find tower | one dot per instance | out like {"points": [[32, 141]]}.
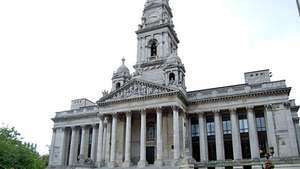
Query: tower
{"points": [[157, 59]]}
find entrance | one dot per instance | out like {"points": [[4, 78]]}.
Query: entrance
{"points": [[150, 154]]}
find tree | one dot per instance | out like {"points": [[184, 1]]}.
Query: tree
{"points": [[16, 155]]}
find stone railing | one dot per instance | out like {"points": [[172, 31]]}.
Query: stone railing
{"points": [[83, 110], [234, 90]]}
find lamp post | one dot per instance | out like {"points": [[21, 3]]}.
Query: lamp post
{"points": [[268, 155]]}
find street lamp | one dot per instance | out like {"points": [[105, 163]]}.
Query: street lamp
{"points": [[268, 155]]}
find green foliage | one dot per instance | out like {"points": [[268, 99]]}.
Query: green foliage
{"points": [[16, 155]]}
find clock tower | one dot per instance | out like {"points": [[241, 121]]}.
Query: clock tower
{"points": [[157, 59]]}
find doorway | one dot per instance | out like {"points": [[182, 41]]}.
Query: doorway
{"points": [[150, 154]]}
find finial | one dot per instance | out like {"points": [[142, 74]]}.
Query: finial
{"points": [[123, 60]]}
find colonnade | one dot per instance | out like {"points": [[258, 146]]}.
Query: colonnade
{"points": [[235, 132], [104, 154]]}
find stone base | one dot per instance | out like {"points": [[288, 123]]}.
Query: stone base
{"points": [[142, 164], [126, 164], [112, 164], [287, 166], [158, 163], [256, 167], [238, 167]]}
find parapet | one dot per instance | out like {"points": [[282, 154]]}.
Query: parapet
{"points": [[79, 103], [261, 76]]}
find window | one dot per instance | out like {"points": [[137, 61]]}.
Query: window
{"points": [[171, 78], [244, 126], [210, 128], [227, 127], [151, 131], [260, 124], [195, 130], [153, 47], [118, 85]]}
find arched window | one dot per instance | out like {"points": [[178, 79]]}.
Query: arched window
{"points": [[171, 78], [118, 85], [153, 47]]}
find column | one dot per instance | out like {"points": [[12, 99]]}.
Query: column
{"points": [[271, 129], [219, 135], [72, 156], [52, 146], [159, 140], [143, 162], [127, 162], [100, 143], [176, 136], [62, 146], [235, 132], [94, 142], [203, 138], [82, 154], [107, 140], [112, 163], [253, 138], [292, 132], [190, 135]]}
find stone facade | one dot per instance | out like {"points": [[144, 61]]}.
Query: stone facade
{"points": [[150, 120]]}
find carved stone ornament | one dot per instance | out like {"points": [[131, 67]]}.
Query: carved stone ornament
{"points": [[136, 88]]}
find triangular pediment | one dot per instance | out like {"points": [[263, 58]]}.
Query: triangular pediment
{"points": [[137, 88]]}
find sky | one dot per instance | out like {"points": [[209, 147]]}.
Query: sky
{"points": [[54, 51]]}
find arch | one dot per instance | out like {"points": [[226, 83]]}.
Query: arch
{"points": [[172, 78], [118, 85], [153, 44]]}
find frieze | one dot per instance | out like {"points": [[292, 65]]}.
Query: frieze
{"points": [[135, 89]]}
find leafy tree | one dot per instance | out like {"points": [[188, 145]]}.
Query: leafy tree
{"points": [[16, 155]]}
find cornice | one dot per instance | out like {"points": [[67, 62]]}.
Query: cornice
{"points": [[270, 92], [152, 28]]}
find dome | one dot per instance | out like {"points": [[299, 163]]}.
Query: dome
{"points": [[123, 68]]}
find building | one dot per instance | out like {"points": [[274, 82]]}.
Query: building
{"points": [[149, 119]]}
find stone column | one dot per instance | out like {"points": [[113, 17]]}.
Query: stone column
{"points": [[142, 163], [127, 161], [203, 138], [292, 132], [253, 138], [159, 140], [107, 140], [236, 138], [83, 144], [271, 129], [63, 146], [52, 146], [100, 143], [176, 136], [112, 163], [219, 136], [73, 147], [94, 143], [190, 135]]}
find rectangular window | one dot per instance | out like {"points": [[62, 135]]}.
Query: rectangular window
{"points": [[195, 130], [227, 127], [243, 125], [210, 128], [260, 124]]}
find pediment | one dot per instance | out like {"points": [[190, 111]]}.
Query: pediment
{"points": [[137, 88]]}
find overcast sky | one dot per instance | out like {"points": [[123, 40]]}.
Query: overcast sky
{"points": [[57, 50]]}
